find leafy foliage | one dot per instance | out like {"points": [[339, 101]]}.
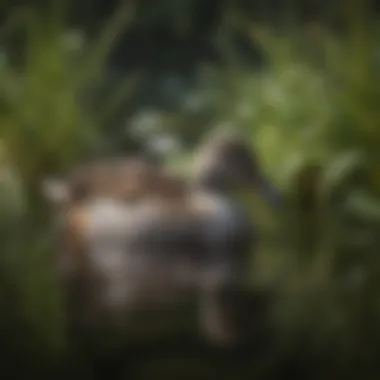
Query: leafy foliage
{"points": [[312, 115]]}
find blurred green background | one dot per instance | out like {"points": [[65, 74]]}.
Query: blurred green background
{"points": [[299, 78]]}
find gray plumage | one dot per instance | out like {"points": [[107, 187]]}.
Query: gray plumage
{"points": [[148, 254]]}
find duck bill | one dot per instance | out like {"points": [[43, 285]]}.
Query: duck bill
{"points": [[268, 192]]}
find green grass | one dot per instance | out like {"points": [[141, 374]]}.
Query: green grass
{"points": [[300, 112], [306, 108], [46, 123]]}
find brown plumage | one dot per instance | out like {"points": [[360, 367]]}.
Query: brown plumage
{"points": [[141, 239], [123, 178]]}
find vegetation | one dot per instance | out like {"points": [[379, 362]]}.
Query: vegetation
{"points": [[311, 114]]}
